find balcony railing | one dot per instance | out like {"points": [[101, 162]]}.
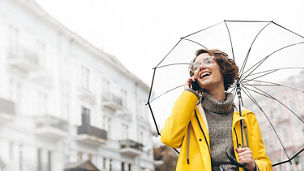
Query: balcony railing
{"points": [[112, 101], [130, 147], [51, 127], [92, 135], [7, 110], [24, 58], [86, 95]]}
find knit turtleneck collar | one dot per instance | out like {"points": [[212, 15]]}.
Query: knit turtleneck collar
{"points": [[209, 103]]}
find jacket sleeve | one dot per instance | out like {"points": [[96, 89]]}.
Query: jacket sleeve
{"points": [[257, 146], [175, 126]]}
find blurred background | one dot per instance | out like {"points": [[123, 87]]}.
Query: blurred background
{"points": [[75, 75]]}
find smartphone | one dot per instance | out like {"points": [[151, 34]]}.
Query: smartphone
{"points": [[195, 85]]}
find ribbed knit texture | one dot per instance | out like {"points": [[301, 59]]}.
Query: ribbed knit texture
{"points": [[219, 118]]}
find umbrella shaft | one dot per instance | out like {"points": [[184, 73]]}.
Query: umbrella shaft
{"points": [[238, 90]]}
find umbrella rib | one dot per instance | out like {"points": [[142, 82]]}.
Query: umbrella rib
{"points": [[288, 29], [255, 66], [249, 50], [266, 73], [195, 42], [271, 97], [168, 53], [247, 21], [162, 66], [275, 70], [273, 84], [257, 104], [230, 40], [166, 92], [158, 133], [264, 85], [151, 87], [289, 160], [148, 103], [202, 29], [232, 89]]}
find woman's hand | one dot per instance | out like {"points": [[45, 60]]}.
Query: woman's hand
{"points": [[245, 156], [188, 84]]}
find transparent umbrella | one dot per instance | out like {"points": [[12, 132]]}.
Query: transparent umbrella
{"points": [[270, 58]]}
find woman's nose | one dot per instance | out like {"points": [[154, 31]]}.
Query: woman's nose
{"points": [[202, 66]]}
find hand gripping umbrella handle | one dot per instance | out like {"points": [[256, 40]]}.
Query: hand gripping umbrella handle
{"points": [[233, 160]]}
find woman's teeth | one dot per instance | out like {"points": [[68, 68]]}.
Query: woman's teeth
{"points": [[204, 74]]}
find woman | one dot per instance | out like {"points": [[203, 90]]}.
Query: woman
{"points": [[204, 122]]}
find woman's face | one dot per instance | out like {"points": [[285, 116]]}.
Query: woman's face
{"points": [[207, 72]]}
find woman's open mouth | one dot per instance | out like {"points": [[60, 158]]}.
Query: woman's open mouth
{"points": [[205, 74]]}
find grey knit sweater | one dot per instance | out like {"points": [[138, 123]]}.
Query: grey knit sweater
{"points": [[219, 119]]}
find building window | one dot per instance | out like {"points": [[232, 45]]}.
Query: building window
{"points": [[39, 161], [20, 158], [141, 137], [142, 109], [104, 122], [105, 89], [42, 101], [85, 116], [125, 131], [85, 78], [79, 156], [122, 166], [40, 48], [65, 107], [44, 161], [13, 39], [49, 160], [104, 162], [15, 93], [110, 165], [124, 97], [129, 167], [90, 157]]}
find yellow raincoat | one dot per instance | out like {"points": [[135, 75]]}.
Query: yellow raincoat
{"points": [[176, 132]]}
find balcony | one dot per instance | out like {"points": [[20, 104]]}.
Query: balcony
{"points": [[23, 58], [7, 111], [91, 135], [131, 148], [112, 101], [42, 77], [51, 127], [86, 95], [124, 114]]}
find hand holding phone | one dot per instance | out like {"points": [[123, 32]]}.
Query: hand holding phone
{"points": [[195, 86]]}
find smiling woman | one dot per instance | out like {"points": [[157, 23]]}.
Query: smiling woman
{"points": [[228, 68], [204, 123]]}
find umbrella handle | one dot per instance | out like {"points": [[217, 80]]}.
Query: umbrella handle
{"points": [[233, 160]]}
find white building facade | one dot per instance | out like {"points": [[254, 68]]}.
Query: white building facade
{"points": [[63, 101]]}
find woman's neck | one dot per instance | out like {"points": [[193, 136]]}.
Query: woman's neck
{"points": [[218, 93]]}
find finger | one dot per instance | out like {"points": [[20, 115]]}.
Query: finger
{"points": [[242, 150], [193, 78], [245, 154]]}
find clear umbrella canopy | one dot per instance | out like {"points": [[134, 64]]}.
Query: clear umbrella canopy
{"points": [[268, 56]]}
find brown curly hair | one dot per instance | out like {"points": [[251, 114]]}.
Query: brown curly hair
{"points": [[228, 68]]}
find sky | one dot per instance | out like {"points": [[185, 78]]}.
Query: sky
{"points": [[140, 33]]}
